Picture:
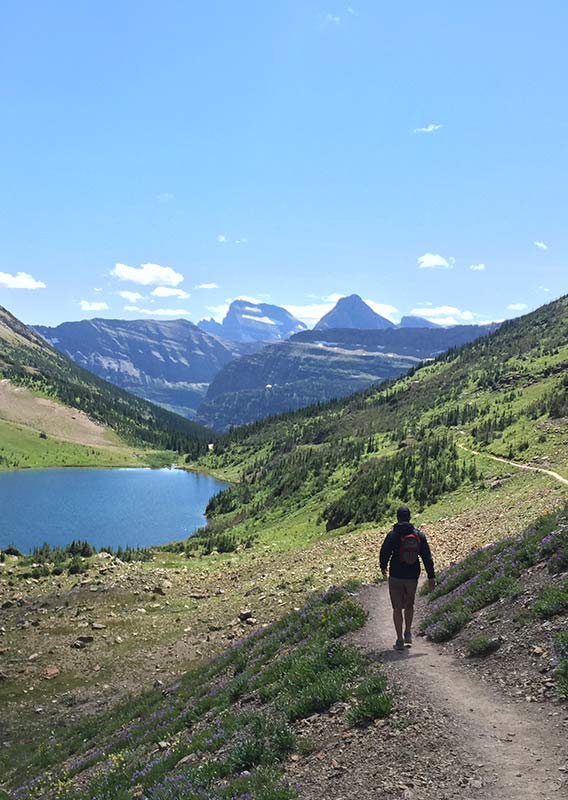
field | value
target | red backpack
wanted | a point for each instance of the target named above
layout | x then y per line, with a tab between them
409	549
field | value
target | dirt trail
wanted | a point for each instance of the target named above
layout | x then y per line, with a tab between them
520	749
552	474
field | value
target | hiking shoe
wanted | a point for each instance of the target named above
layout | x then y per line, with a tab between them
408	638
399	644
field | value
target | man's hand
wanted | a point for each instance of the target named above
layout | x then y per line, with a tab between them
431	584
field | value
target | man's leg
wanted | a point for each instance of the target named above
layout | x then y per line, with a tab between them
408	617
397	618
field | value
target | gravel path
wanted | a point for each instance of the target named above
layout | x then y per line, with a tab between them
551	473
521	752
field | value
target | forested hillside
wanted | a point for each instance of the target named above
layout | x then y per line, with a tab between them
410	440
26	360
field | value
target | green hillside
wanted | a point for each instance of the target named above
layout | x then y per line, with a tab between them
27	361
353	461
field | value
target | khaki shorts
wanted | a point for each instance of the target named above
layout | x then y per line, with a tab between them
402	592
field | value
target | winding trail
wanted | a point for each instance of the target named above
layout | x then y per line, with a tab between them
552	474
521	748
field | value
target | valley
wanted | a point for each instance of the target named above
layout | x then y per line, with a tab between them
312	493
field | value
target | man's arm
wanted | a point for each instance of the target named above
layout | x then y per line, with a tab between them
386	553
428	562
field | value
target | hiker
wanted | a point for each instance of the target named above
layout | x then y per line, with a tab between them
403	546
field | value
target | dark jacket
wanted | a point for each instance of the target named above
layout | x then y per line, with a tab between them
391	549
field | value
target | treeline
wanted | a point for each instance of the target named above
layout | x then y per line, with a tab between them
47	560
420	475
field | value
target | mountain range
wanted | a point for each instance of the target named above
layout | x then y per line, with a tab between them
259	361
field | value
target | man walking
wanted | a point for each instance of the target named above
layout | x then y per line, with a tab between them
403	547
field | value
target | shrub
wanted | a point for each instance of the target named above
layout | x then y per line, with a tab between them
373	701
482	646
561	674
551	601
264	740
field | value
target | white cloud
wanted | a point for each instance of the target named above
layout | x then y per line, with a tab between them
517	306
311	313
147	274
21	280
446	315
219	312
390	312
221	238
207	286
541	245
241	241
164	197
248	299
97	289
478	267
428	129
351	11
544	288
165	291
160	312
86	305
435	260
132	297
332	19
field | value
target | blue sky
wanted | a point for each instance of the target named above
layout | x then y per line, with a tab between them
286	150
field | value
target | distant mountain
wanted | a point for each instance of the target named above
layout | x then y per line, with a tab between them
289	375
420	343
169	363
27	360
315	366
352	312
416	322
254	322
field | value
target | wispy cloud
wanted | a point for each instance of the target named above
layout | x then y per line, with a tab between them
164	197
478	267
241	241
544	288
21	280
517	306
165	291
86	305
446	315
221	238
207	286
331	19
132	297
160	312
390	312
435	261
428	128
351	11
147	274
540	245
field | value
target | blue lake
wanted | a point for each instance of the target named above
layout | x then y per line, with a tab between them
116	507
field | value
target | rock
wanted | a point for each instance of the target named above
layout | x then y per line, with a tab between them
98	626
33	657
245	615
3	677
50	672
82	641
163	745
158	590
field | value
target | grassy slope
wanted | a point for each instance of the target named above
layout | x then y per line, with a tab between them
26	360
505	395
